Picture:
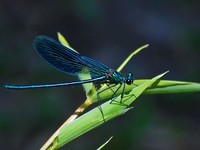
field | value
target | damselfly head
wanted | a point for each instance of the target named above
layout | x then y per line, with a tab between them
129	78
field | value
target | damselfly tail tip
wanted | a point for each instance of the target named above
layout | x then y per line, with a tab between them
8	87
5	86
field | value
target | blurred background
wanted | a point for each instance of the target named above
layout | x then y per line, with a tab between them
108	31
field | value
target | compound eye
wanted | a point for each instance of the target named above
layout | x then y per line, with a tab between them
129	81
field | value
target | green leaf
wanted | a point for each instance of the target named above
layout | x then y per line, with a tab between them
64	41
159	87
130	56
171	87
94	118
103	145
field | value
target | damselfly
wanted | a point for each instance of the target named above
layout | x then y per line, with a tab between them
70	62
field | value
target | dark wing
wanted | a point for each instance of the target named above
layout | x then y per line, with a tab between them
65	59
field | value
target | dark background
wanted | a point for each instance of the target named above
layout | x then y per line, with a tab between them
108	31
